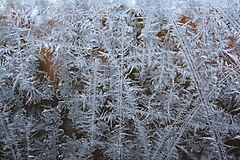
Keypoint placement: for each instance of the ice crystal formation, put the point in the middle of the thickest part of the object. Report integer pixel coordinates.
(151, 80)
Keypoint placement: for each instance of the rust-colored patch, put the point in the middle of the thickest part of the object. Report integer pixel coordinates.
(187, 20)
(45, 64)
(101, 56)
(39, 34)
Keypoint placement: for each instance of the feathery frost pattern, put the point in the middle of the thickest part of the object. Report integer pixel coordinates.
(116, 80)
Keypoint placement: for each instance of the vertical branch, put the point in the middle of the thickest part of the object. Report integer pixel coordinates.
(120, 100)
(8, 136)
(95, 65)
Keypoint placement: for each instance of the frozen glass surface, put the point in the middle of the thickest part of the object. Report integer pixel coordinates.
(118, 79)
